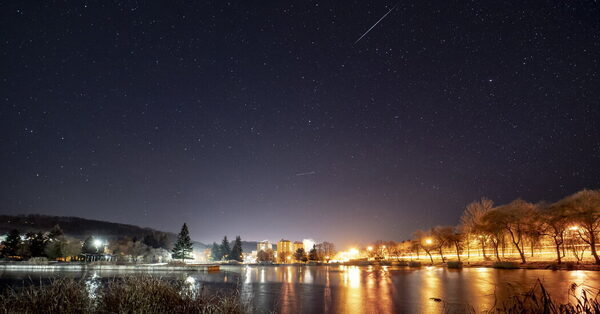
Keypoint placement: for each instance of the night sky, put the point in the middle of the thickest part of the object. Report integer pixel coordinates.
(267, 121)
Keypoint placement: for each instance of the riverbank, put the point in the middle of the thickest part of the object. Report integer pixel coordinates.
(24, 266)
(484, 264)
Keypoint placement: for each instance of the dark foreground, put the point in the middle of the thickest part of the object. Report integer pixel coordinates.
(305, 289)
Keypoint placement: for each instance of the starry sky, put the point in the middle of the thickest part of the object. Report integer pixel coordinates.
(266, 119)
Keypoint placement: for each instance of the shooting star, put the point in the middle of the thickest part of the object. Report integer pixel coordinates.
(365, 34)
(305, 173)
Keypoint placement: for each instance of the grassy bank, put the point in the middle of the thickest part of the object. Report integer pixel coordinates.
(538, 300)
(141, 294)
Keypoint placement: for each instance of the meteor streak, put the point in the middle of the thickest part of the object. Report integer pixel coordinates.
(363, 35)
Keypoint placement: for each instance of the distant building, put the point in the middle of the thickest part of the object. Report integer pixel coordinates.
(264, 246)
(208, 254)
(298, 245)
(285, 248)
(308, 244)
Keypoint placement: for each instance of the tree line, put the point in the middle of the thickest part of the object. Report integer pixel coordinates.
(570, 225)
(225, 251)
(54, 244)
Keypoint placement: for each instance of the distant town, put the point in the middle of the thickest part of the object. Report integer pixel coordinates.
(562, 235)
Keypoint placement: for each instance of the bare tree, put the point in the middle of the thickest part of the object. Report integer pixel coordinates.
(494, 229)
(584, 208)
(442, 236)
(425, 242)
(514, 218)
(472, 220)
(556, 222)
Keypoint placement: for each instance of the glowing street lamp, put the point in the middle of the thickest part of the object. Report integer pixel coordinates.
(574, 228)
(97, 243)
(428, 241)
(369, 248)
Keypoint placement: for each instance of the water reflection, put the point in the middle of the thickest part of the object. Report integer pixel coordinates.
(354, 289)
(92, 283)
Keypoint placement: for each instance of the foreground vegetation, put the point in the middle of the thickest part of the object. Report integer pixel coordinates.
(154, 295)
(142, 294)
(538, 300)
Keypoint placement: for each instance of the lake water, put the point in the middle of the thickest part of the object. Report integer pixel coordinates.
(357, 289)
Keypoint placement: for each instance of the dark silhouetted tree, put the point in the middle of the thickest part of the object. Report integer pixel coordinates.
(215, 252)
(55, 232)
(183, 246)
(236, 250)
(89, 246)
(313, 255)
(300, 255)
(37, 244)
(11, 243)
(225, 248)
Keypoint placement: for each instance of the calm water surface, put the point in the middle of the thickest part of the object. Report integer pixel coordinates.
(354, 289)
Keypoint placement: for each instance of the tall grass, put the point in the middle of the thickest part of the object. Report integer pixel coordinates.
(61, 296)
(538, 300)
(140, 294)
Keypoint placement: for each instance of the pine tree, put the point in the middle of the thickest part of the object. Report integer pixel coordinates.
(37, 244)
(88, 246)
(236, 250)
(183, 247)
(11, 243)
(55, 232)
(313, 255)
(225, 248)
(215, 253)
(300, 255)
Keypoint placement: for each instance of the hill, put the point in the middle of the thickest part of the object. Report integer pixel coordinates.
(79, 227)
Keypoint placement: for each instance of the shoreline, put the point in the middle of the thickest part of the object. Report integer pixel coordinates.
(217, 267)
(83, 267)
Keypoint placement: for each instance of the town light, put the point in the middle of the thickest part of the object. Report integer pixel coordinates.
(574, 228)
(370, 248)
(353, 252)
(97, 243)
(428, 241)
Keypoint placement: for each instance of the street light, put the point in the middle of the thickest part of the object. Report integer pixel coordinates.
(97, 243)
(428, 241)
(370, 248)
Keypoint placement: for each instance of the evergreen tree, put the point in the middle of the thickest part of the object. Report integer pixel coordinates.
(88, 246)
(37, 244)
(183, 247)
(11, 243)
(225, 248)
(313, 255)
(216, 252)
(300, 255)
(55, 232)
(236, 250)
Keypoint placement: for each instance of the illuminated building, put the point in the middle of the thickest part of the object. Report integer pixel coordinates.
(298, 245)
(308, 244)
(264, 246)
(284, 248)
